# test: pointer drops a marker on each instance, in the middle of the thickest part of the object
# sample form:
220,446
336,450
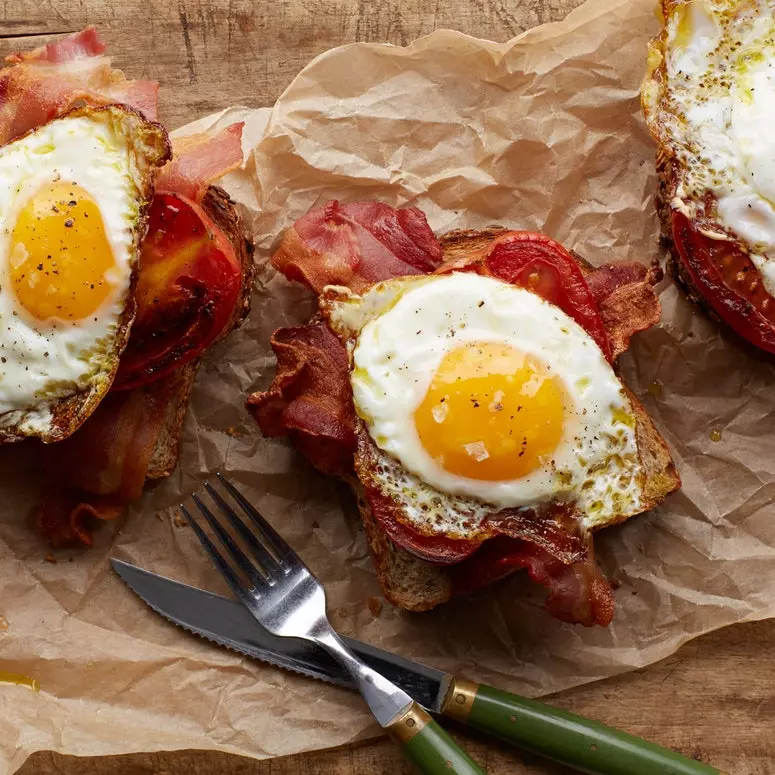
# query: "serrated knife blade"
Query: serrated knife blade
228,623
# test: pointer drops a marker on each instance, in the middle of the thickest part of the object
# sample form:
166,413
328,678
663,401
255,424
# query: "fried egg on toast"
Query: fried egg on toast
74,195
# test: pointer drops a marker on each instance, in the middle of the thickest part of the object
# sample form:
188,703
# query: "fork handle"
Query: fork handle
429,747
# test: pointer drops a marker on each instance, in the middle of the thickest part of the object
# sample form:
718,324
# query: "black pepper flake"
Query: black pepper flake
40,267
69,222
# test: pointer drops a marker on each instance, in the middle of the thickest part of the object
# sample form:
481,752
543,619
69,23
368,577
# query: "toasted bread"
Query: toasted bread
416,585
220,208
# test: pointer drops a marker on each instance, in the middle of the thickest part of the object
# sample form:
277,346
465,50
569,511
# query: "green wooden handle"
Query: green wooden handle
572,740
429,747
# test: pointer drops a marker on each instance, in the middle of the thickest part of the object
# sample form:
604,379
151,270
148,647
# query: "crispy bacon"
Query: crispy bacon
624,292
79,45
553,527
578,592
357,244
310,399
65,516
110,453
48,81
103,466
199,159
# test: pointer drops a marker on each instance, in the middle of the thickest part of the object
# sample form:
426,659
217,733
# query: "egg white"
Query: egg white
720,88
400,330
45,360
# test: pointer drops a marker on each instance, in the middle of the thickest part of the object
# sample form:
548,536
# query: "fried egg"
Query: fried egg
73,200
481,396
717,115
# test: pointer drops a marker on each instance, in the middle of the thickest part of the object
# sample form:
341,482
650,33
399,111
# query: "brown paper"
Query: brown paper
543,132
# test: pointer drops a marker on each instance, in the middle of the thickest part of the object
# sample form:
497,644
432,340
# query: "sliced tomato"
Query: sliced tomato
723,273
188,285
541,265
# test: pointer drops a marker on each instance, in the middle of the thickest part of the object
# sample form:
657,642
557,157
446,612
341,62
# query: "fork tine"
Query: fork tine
265,557
258,579
215,555
268,533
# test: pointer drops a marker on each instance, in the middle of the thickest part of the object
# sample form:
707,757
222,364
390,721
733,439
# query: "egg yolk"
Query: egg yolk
60,257
491,412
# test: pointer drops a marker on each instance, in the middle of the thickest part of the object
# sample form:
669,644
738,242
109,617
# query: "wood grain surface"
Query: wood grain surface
715,698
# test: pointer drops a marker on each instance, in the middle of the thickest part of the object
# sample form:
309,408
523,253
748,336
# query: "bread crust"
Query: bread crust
416,585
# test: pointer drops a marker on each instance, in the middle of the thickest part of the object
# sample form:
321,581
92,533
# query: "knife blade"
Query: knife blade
228,623
572,740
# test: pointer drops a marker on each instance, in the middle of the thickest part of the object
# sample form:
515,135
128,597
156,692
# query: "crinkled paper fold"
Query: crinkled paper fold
543,132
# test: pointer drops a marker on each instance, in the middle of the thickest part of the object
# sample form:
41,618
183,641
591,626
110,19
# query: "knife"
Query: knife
572,740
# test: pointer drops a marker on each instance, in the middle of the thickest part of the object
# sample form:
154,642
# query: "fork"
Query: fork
288,600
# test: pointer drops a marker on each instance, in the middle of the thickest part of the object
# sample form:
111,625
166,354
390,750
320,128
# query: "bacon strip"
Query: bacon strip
48,81
103,466
79,45
579,593
199,159
552,528
310,399
356,245
625,295
64,517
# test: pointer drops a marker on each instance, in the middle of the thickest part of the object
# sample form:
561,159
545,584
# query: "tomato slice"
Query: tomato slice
723,273
188,285
541,265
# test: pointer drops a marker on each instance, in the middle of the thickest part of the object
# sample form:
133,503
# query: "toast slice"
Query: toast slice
417,585
221,209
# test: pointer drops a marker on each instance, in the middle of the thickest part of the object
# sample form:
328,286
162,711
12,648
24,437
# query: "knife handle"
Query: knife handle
572,740
429,747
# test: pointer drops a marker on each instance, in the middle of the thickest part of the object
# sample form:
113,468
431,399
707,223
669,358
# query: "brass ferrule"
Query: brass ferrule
460,699
409,724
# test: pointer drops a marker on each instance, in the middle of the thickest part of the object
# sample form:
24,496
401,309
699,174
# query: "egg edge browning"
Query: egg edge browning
68,413
333,307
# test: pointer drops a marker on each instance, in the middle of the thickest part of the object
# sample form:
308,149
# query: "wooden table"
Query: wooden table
715,698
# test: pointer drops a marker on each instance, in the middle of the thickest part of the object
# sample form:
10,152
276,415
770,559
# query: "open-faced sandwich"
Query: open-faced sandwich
122,265
709,98
466,388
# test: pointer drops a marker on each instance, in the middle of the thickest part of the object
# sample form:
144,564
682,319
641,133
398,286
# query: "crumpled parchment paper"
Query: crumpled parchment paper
543,132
